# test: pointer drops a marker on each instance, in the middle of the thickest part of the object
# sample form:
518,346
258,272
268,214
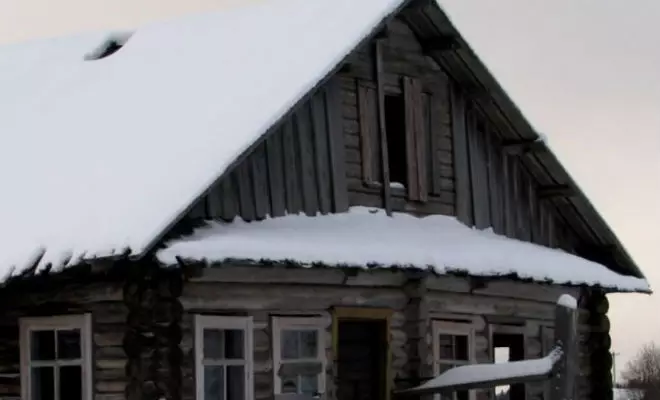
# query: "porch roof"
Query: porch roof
366,237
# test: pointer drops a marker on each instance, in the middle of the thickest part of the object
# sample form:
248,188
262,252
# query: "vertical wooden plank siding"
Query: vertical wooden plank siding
276,174
385,169
478,172
509,199
337,150
535,215
321,154
429,143
306,157
523,206
214,199
245,194
482,197
495,181
259,177
441,142
461,158
299,167
420,142
368,121
293,203
410,94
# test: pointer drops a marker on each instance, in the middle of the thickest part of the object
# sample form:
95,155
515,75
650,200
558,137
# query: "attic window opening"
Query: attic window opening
395,128
109,47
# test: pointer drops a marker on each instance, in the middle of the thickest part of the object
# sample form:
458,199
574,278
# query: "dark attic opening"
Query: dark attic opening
395,129
108,47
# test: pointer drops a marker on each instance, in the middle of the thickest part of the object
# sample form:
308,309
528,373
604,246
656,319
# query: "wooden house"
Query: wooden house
314,197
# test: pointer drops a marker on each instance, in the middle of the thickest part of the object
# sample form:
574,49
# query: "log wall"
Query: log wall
264,292
45,297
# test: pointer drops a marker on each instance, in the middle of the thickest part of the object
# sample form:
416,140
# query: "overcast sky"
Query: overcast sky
584,72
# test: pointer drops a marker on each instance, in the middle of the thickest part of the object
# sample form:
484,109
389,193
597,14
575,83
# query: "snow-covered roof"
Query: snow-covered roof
365,237
101,156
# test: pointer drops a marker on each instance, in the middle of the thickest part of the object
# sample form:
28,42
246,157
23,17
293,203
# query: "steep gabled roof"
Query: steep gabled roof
101,157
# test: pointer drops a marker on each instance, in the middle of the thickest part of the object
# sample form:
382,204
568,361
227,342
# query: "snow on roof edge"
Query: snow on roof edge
438,244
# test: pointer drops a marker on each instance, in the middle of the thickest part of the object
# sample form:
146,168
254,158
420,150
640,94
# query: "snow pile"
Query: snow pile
467,374
93,153
567,301
362,237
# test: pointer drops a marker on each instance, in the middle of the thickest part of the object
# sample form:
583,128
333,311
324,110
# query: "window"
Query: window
395,128
299,355
223,357
56,358
453,346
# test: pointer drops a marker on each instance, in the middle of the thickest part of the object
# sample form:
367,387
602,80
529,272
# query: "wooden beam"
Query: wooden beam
380,87
440,44
551,191
523,147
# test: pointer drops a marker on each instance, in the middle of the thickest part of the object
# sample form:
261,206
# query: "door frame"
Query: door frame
364,313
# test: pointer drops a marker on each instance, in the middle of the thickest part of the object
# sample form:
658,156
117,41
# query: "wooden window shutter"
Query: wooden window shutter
415,140
369,135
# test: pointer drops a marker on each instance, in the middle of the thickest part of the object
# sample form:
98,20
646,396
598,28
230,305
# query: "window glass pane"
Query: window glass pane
446,347
68,344
235,382
42,345
461,348
289,342
43,383
214,383
71,382
289,383
223,344
309,384
308,344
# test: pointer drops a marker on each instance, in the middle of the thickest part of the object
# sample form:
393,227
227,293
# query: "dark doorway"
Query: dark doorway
361,359
512,346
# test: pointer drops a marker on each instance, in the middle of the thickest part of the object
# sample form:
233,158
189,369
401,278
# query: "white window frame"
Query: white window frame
245,324
298,323
82,322
440,327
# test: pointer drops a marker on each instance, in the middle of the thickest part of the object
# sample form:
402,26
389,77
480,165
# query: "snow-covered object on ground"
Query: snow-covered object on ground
467,374
100,156
363,237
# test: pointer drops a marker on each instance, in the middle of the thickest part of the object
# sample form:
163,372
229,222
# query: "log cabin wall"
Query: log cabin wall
416,303
41,298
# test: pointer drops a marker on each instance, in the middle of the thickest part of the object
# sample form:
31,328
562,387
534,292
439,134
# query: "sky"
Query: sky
583,72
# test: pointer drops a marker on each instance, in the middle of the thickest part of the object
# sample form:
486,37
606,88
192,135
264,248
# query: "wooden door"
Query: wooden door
362,359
